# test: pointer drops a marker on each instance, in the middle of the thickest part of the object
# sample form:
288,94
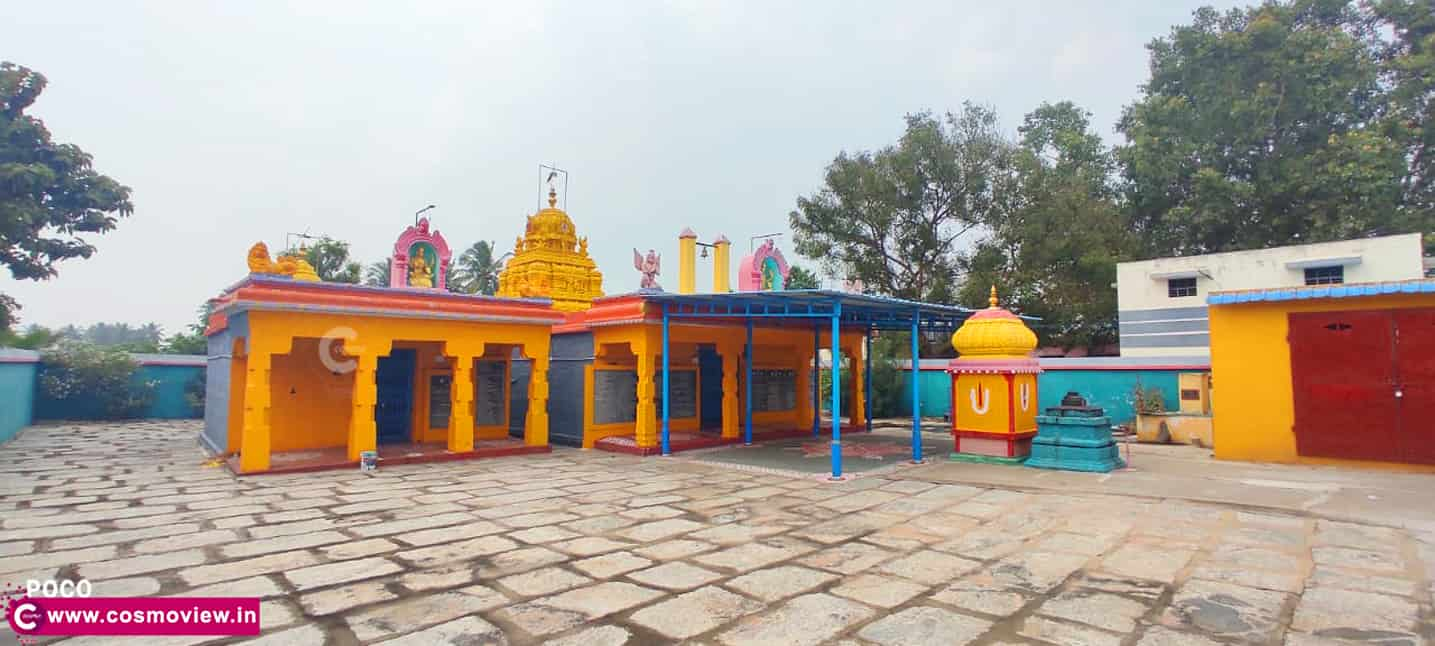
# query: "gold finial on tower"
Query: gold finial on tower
993,299
552,198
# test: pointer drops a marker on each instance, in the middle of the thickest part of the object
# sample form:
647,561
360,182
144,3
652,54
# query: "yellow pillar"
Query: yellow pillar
363,432
535,426
687,262
645,431
722,271
859,390
804,386
731,417
460,417
254,444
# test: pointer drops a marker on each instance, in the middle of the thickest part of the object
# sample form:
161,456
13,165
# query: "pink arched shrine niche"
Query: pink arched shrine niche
419,242
762,270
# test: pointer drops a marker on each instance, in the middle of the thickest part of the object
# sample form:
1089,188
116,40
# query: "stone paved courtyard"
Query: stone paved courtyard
592,548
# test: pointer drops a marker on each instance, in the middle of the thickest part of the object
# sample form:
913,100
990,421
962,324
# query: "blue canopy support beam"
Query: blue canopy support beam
916,388
836,391
667,384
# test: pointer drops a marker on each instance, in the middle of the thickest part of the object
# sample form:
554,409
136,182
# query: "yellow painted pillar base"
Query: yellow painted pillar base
859,390
460,417
255,441
804,389
535,425
645,432
731,417
363,432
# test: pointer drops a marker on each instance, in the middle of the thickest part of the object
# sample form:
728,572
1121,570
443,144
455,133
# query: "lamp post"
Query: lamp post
421,212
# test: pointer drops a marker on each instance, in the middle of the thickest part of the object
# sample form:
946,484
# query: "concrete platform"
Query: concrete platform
389,455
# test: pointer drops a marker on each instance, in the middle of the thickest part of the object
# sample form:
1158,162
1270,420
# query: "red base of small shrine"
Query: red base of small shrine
997,445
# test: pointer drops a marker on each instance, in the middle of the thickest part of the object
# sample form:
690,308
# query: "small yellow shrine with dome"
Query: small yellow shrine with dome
994,400
551,261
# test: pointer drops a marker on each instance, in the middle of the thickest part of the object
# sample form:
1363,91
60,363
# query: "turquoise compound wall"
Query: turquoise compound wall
1109,389
17,396
169,401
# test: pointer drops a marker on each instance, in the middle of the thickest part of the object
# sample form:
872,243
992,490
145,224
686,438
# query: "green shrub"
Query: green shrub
84,377
1148,400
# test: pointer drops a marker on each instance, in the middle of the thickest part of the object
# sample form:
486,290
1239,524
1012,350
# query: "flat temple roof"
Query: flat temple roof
877,311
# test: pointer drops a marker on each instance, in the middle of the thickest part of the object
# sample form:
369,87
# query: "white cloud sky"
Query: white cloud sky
237,122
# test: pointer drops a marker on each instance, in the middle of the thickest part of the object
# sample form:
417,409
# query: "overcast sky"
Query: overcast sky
235,122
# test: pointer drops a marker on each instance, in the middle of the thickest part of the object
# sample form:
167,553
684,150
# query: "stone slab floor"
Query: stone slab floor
593,548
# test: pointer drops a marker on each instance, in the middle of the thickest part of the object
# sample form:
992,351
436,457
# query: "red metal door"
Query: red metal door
1343,382
1415,381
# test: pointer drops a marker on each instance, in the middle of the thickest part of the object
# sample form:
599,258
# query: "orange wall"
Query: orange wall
310,405
1252,402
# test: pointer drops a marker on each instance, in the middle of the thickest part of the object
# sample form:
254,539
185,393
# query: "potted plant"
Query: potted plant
1150,407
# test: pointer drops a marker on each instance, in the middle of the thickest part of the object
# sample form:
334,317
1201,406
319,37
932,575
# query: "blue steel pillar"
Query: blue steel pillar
747,437
836,393
867,378
817,380
667,401
916,390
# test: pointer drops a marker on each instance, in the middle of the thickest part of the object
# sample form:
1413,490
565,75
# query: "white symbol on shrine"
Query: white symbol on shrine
1025,396
981,403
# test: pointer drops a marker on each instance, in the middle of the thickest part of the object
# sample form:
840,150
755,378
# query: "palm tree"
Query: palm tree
377,274
476,271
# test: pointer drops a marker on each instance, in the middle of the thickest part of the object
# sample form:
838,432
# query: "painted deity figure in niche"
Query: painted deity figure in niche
650,266
419,275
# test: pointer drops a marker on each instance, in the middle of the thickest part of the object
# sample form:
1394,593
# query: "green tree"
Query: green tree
331,262
376,274
33,337
82,375
476,272
121,336
1408,63
897,219
1268,125
49,192
799,278
192,339
1054,254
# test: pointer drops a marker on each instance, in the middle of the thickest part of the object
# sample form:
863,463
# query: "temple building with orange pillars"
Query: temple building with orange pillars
994,400
305,375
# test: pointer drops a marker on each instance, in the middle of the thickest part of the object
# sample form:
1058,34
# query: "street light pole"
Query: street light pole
421,212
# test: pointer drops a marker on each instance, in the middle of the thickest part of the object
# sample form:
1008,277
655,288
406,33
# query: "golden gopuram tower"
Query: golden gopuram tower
551,261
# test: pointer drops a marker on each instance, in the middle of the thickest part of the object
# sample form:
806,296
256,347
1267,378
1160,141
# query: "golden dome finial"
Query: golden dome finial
552,197
994,332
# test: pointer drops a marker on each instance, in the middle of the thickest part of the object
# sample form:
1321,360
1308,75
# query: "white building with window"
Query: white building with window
1162,302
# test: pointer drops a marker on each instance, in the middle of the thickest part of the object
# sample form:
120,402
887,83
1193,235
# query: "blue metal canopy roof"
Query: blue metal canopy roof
1417,286
876,311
